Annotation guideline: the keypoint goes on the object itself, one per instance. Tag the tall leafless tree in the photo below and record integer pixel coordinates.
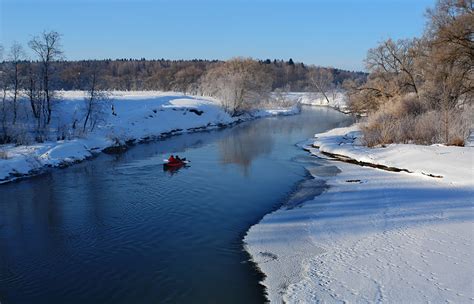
(48, 48)
(17, 55)
(3, 109)
(95, 101)
(394, 61)
(450, 65)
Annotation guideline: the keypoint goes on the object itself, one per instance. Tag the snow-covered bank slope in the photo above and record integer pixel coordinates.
(374, 235)
(453, 164)
(138, 116)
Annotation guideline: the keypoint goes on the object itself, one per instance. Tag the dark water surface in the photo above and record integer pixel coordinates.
(118, 229)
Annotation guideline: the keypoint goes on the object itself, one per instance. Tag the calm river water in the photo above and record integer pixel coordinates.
(119, 229)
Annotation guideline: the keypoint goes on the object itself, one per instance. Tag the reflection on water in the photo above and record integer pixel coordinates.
(247, 143)
(252, 140)
(118, 229)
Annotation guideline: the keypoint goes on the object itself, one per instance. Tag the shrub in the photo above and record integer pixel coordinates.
(20, 135)
(412, 105)
(406, 120)
(456, 141)
(427, 128)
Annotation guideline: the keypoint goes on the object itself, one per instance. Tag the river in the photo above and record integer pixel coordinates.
(120, 229)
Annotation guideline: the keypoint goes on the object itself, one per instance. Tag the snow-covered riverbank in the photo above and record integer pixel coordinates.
(374, 235)
(336, 100)
(139, 116)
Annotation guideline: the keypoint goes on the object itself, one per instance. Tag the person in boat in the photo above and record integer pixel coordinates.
(178, 159)
(171, 159)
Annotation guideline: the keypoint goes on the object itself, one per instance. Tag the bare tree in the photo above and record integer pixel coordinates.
(4, 88)
(17, 55)
(95, 102)
(394, 61)
(33, 90)
(322, 80)
(48, 48)
(450, 72)
(394, 68)
(419, 79)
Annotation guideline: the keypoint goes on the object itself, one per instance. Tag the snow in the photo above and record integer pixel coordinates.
(374, 235)
(337, 100)
(140, 116)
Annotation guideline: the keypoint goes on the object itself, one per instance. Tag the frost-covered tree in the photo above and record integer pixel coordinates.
(239, 84)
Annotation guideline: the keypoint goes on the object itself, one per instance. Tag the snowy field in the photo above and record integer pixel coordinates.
(140, 116)
(374, 235)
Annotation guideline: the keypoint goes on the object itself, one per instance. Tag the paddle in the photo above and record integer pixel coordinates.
(184, 161)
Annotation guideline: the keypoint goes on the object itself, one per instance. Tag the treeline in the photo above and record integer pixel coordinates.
(421, 89)
(174, 75)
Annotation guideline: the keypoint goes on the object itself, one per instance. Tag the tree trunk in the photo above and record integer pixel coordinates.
(91, 101)
(15, 94)
(46, 91)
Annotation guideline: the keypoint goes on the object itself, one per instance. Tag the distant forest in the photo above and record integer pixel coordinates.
(174, 75)
(240, 84)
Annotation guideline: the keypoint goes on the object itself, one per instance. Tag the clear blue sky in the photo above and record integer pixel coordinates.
(322, 32)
